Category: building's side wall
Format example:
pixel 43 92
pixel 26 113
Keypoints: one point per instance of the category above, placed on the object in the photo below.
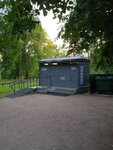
pixel 74 76
pixel 84 75
pixel 44 75
pixel 63 75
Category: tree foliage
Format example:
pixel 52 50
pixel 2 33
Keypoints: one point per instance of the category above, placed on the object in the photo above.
pixel 20 54
pixel 90 28
pixel 20 12
pixel 22 41
pixel 32 47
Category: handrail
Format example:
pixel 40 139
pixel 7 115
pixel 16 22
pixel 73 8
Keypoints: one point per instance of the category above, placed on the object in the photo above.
pixel 21 83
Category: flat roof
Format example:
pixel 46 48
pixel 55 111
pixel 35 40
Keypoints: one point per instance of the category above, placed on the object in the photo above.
pixel 64 59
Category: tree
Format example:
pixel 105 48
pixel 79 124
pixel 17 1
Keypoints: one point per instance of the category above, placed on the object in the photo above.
pixel 22 44
pixel 21 57
pixel 89 25
pixel 90 28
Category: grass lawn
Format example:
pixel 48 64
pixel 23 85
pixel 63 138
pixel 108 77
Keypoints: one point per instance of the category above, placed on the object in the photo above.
pixel 5 90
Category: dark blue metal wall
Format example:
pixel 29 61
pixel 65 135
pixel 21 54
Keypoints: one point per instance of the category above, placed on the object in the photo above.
pixel 65 75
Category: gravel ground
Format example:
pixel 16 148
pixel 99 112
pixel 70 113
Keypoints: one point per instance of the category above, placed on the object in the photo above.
pixel 46 122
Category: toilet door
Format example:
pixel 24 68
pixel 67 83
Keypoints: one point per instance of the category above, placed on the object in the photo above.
pixel 74 76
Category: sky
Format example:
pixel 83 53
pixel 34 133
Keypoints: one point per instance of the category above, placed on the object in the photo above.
pixel 51 26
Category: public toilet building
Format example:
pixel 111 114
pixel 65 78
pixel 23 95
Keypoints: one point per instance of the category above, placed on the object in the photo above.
pixel 68 72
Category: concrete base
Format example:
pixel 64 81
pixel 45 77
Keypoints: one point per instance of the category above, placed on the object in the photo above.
pixel 56 90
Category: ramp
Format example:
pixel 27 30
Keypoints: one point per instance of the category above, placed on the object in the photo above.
pixel 22 92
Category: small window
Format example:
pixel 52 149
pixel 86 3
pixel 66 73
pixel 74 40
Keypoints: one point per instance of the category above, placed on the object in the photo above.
pixel 46 64
pixel 73 68
pixel 55 64
pixel 43 69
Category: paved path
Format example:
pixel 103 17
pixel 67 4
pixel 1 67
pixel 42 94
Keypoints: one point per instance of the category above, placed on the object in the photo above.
pixel 44 122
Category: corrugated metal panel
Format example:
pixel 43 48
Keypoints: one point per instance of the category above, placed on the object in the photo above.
pixel 44 81
pixel 60 81
pixel 82 70
pixel 60 70
pixel 73 84
pixel 45 71
pixel 84 73
pixel 54 71
pixel 74 74
pixel 64 71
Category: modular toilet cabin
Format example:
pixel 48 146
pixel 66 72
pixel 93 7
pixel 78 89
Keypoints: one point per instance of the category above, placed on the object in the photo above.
pixel 65 73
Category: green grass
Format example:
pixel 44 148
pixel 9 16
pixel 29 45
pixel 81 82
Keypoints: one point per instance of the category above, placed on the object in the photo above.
pixel 5 90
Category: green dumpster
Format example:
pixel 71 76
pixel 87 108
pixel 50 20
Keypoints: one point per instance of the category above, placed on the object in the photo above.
pixel 92 82
pixel 104 84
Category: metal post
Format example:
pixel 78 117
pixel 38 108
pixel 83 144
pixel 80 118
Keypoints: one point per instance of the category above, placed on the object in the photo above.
pixel 21 83
pixel 27 83
pixel 14 87
pixel 43 89
pixel 33 81
pixel 30 82
pixel 36 81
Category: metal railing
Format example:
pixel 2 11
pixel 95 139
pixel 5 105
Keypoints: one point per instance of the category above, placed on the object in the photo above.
pixel 21 83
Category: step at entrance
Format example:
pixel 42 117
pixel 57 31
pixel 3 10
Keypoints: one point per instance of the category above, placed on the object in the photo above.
pixel 62 91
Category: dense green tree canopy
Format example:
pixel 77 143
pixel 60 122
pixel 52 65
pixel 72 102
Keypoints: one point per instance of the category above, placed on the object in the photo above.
pixel 90 28
pixel 20 56
pixel 23 42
